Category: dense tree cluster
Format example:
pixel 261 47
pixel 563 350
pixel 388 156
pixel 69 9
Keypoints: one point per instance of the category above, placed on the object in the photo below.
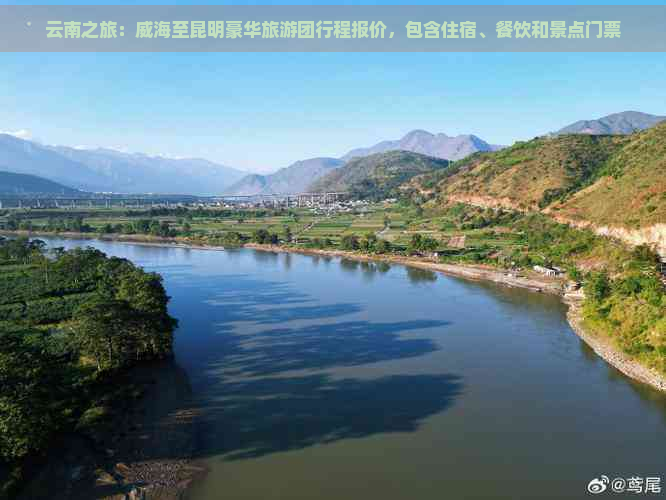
pixel 262 236
pixel 68 320
pixel 419 243
pixel 368 243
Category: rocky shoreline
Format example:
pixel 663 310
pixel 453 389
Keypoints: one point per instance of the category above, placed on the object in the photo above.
pixel 604 348
pixel 146 452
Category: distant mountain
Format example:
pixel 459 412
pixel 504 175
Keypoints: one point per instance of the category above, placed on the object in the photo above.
pixel 109 170
pixel 26 157
pixel 140 173
pixel 379 175
pixel 21 184
pixel 295 178
pixel 617 123
pixel 436 145
pixel 249 185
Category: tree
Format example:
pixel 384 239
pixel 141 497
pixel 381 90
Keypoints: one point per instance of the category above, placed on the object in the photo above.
pixel 286 234
pixel 30 384
pixel 429 244
pixel 414 244
pixel 419 243
pixel 261 236
pixel 367 243
pixel 383 246
pixel 100 332
pixel 349 242
pixel 598 286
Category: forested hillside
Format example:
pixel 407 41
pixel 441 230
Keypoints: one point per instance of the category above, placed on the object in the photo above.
pixel 379 175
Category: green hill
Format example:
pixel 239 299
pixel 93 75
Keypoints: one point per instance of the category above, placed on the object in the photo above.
pixel 21 184
pixel 528 175
pixel 632 193
pixel 379 175
pixel 616 184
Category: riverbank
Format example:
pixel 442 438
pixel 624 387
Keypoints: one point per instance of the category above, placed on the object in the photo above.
pixel 603 347
pixel 528 280
pixel 145 451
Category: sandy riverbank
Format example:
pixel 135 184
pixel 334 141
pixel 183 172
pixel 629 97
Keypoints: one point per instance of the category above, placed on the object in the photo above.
pixel 531 281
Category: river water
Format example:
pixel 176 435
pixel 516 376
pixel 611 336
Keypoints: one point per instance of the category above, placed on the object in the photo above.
pixel 322 378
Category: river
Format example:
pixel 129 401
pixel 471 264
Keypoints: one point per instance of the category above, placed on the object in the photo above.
pixel 334 379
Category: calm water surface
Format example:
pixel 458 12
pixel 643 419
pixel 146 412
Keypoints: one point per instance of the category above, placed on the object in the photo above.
pixel 330 379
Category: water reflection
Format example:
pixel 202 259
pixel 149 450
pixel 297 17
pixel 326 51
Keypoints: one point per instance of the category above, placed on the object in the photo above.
pixel 349 265
pixel 450 381
pixel 418 275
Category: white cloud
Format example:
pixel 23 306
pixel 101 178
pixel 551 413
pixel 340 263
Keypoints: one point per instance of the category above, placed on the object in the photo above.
pixel 21 134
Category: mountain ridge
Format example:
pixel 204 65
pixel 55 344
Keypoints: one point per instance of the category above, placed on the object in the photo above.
pixel 624 122
pixel 106 170
pixel 379 175
pixel 294 178
pixel 421 141
pixel 24 184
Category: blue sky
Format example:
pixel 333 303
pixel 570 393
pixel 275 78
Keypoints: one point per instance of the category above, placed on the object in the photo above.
pixel 261 112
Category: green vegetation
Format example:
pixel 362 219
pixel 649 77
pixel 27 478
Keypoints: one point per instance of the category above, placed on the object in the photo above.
pixel 379 176
pixel 70 323
pixel 570 176
pixel 442 217
pixel 527 175
pixel 630 308
pixel 634 179
pixel 226 227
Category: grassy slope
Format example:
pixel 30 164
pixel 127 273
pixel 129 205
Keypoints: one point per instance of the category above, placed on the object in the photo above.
pixel 635 195
pixel 617 180
pixel 529 174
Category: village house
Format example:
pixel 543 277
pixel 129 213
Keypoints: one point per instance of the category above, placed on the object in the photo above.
pixel 548 271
